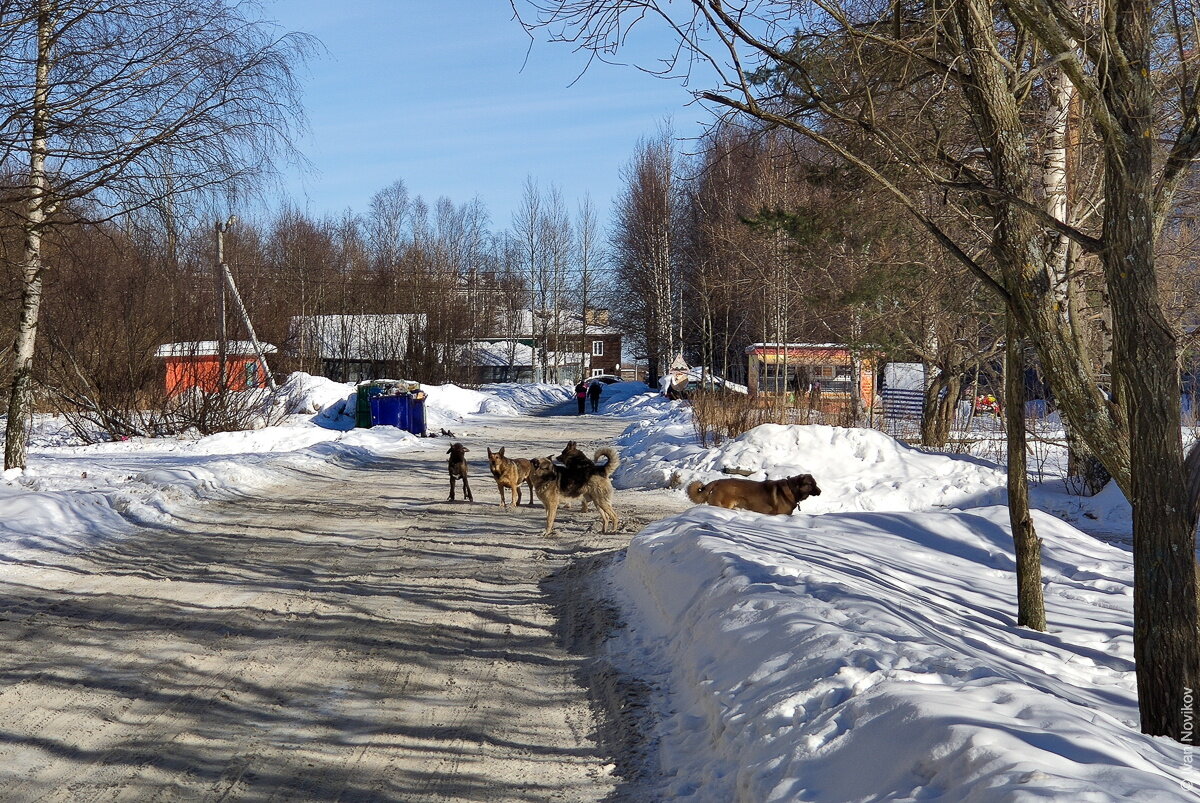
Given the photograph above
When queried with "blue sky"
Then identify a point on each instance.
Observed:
(449, 96)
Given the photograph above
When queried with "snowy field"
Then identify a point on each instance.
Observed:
(863, 648)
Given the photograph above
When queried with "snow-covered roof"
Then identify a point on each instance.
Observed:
(756, 346)
(505, 353)
(355, 337)
(520, 324)
(209, 348)
(515, 354)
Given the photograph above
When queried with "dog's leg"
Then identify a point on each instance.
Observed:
(467, 489)
(500, 487)
(608, 514)
(451, 497)
(531, 493)
(515, 494)
(603, 503)
(551, 510)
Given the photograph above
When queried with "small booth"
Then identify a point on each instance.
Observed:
(816, 375)
(197, 366)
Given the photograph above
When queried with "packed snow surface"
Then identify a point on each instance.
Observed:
(863, 648)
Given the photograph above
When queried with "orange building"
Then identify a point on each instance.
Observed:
(198, 365)
(809, 372)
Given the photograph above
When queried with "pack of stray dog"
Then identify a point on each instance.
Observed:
(574, 476)
(570, 475)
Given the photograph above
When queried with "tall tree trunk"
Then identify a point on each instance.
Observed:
(1165, 636)
(20, 403)
(1082, 463)
(1031, 608)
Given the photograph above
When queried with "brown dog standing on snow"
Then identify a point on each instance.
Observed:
(510, 472)
(457, 464)
(773, 497)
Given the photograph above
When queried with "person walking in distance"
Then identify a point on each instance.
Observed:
(594, 390)
(581, 395)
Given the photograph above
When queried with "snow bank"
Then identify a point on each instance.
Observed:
(874, 656)
(857, 469)
(528, 398)
(72, 497)
(334, 404)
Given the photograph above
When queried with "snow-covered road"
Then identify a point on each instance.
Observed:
(346, 635)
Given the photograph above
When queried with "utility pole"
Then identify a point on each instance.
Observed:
(225, 280)
(222, 357)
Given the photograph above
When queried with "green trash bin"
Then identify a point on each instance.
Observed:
(362, 406)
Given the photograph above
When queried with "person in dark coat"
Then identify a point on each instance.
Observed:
(581, 392)
(594, 390)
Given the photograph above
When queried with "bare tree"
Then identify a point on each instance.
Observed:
(645, 259)
(529, 229)
(834, 76)
(100, 98)
(589, 264)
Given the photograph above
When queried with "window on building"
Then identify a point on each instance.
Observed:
(776, 378)
(597, 348)
(597, 372)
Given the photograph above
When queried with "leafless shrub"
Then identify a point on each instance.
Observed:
(720, 415)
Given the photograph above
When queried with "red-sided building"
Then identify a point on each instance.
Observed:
(807, 371)
(197, 365)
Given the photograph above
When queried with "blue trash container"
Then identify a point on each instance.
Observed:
(386, 410)
(403, 411)
(416, 414)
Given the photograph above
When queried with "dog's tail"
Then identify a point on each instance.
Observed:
(614, 460)
(696, 492)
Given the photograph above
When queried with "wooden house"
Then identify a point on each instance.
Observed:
(818, 375)
(355, 348)
(197, 365)
(513, 352)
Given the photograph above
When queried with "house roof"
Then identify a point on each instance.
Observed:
(210, 348)
(354, 337)
(497, 354)
(520, 324)
(761, 346)
(510, 353)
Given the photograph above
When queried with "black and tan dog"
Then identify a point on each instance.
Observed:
(457, 465)
(510, 472)
(574, 457)
(773, 497)
(577, 479)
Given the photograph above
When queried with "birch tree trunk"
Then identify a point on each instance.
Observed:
(1082, 463)
(20, 403)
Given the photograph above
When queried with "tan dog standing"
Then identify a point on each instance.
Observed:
(772, 497)
(510, 472)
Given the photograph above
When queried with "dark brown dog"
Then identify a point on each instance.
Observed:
(553, 482)
(457, 464)
(773, 497)
(510, 472)
(572, 457)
